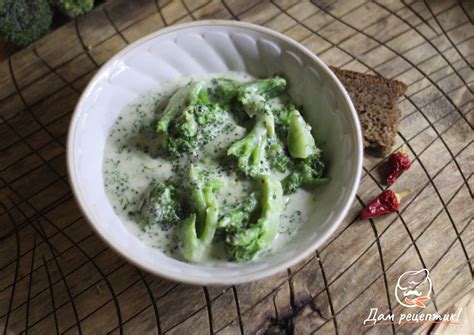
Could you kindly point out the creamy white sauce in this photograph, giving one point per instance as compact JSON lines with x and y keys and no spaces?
{"x":131,"y":163}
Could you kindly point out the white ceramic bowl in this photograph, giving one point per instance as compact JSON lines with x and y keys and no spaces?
{"x":215,"y":47}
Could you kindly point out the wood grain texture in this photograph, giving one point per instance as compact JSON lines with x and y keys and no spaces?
{"x":56,"y":276}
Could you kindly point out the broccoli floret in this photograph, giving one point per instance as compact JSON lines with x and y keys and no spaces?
{"x":254,"y":95}
{"x":161,"y":205}
{"x":300,"y":140}
{"x":224,"y":90}
{"x":196,"y":127}
{"x":199,"y":228}
{"x":260,"y":150}
{"x":190,"y":121}
{"x":24,"y":21}
{"x":245,"y":243}
{"x":250,"y":151}
{"x":185,"y":98}
{"x":236,"y":216}
{"x":75,"y":7}
{"x":276,"y":155}
{"x":282,"y":121}
{"x":307,"y":172}
{"x":266,"y":88}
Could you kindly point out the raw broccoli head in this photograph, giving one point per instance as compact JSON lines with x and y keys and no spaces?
{"x":24,"y":21}
{"x":307,"y":172}
{"x":161,"y":205}
{"x":76,"y":7}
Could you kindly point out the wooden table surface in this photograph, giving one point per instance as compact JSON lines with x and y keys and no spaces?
{"x":57,"y":276}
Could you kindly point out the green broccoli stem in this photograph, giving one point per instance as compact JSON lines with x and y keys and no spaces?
{"x":246,"y":243}
{"x":259,"y":107}
{"x":194,"y":245}
{"x":272,"y":206}
{"x":203,"y":200}
{"x":259,"y":150}
{"x":301,"y":142}
{"x":200,"y":227}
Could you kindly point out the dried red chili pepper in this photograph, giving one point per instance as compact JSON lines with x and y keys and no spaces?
{"x":385,"y":203}
{"x":398,"y":162}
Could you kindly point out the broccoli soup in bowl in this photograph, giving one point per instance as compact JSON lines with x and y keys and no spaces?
{"x":214,"y":152}
{"x":215,"y":169}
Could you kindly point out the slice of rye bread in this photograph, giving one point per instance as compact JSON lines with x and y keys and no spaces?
{"x":375,"y":99}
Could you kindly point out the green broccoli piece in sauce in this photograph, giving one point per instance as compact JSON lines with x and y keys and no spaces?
{"x":185,"y":98}
{"x":265,"y":88}
{"x":243,"y":244}
{"x":307,"y":172}
{"x":236,"y":216}
{"x":250,"y":151}
{"x":75,"y":7}
{"x":161,"y":205}
{"x":282,"y":121}
{"x":194,"y":128}
{"x":24,"y":21}
{"x":306,"y":165}
{"x":224,"y":90}
{"x":276,"y":155}
{"x":300,"y":141}
{"x":254,"y":96}
{"x":199,"y":228}
{"x":260,"y":150}
{"x":190,"y":120}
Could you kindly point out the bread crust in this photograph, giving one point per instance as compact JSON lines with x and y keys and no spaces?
{"x":375,"y":99}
